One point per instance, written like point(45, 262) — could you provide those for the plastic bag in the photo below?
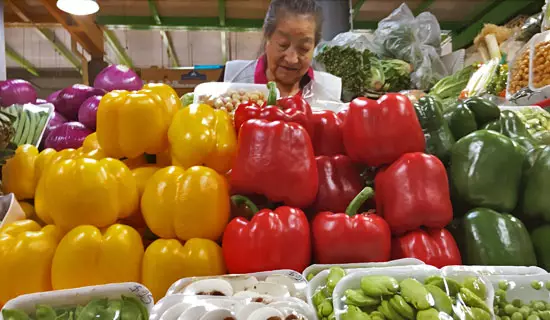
point(415, 40)
point(530, 27)
point(545, 23)
point(347, 56)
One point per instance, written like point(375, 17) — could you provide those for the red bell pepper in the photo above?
point(245, 112)
point(339, 182)
point(275, 159)
point(289, 109)
point(377, 132)
point(272, 240)
point(435, 247)
point(327, 133)
point(295, 102)
point(413, 192)
point(351, 237)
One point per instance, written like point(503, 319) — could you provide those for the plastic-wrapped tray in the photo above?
point(317, 268)
point(279, 283)
point(80, 296)
point(31, 121)
point(496, 270)
point(520, 290)
point(218, 89)
point(420, 273)
point(178, 306)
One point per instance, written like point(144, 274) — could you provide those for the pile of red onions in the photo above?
point(16, 91)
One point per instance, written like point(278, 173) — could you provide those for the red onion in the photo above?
point(67, 135)
point(51, 98)
point(87, 114)
point(16, 92)
point(118, 77)
point(70, 99)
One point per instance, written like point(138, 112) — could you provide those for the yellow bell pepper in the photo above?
point(42, 161)
point(26, 253)
point(28, 209)
point(166, 261)
point(167, 93)
point(91, 143)
point(132, 123)
point(201, 135)
point(18, 174)
point(83, 191)
point(142, 176)
point(192, 203)
point(86, 257)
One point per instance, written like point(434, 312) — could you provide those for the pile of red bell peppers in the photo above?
point(319, 172)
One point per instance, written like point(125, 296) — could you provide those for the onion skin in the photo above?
point(68, 135)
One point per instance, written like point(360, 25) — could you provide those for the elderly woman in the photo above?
point(292, 29)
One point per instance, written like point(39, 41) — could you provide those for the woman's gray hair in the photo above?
point(278, 8)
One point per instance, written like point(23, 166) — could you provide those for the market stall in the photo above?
point(422, 192)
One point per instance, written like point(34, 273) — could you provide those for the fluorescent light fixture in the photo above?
point(78, 7)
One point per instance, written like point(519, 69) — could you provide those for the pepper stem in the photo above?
point(272, 96)
point(239, 200)
point(358, 201)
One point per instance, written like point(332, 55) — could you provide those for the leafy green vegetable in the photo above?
point(187, 99)
point(398, 75)
point(498, 82)
point(451, 86)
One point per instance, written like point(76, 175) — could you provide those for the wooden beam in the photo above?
point(21, 61)
point(166, 39)
point(47, 34)
point(118, 49)
point(90, 37)
point(357, 7)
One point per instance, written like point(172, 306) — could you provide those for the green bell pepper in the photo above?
point(495, 239)
point(536, 200)
point(439, 138)
point(486, 170)
point(510, 125)
point(471, 114)
point(540, 237)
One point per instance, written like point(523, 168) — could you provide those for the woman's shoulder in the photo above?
point(240, 71)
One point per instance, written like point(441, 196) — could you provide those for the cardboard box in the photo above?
point(183, 80)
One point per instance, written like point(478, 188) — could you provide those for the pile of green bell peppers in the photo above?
point(499, 178)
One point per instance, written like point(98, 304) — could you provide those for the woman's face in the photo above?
point(290, 49)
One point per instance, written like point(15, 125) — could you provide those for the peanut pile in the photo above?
point(230, 100)
point(541, 65)
point(520, 73)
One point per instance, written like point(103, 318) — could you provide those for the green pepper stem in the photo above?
point(239, 200)
point(272, 96)
point(358, 201)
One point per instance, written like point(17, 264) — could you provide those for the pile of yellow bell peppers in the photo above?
point(128, 206)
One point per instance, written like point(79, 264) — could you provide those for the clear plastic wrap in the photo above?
point(521, 295)
point(279, 283)
point(415, 40)
point(347, 57)
point(80, 296)
point(320, 288)
point(417, 292)
point(495, 270)
point(184, 307)
point(30, 123)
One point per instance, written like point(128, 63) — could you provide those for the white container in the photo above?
point(538, 38)
point(297, 279)
point(81, 296)
point(10, 210)
point(496, 270)
point(216, 89)
point(316, 268)
point(529, 99)
point(172, 306)
point(420, 273)
point(520, 286)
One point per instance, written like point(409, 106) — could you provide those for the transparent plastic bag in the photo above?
point(347, 56)
point(415, 40)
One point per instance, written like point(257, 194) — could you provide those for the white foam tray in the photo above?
point(80, 296)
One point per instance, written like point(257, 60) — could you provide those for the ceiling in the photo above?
point(174, 33)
